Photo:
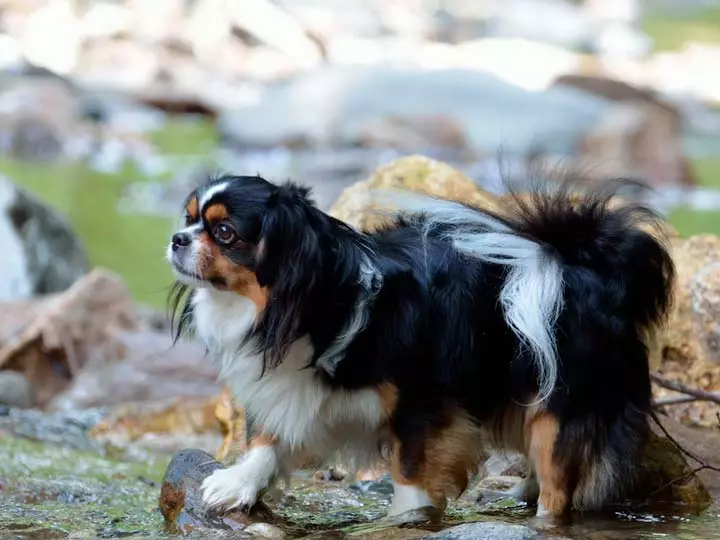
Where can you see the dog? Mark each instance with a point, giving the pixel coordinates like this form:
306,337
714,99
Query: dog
446,333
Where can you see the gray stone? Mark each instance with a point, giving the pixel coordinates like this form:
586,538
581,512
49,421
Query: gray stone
334,105
15,390
41,252
486,531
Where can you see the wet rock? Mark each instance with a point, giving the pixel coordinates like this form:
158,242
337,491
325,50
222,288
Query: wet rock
15,390
382,485
265,530
181,497
666,476
42,253
62,333
151,370
486,531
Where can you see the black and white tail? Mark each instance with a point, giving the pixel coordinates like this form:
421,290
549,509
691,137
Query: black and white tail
546,232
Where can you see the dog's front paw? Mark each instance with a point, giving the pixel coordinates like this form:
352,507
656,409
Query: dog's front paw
241,485
226,489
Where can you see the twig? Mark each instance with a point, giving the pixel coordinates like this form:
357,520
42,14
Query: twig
675,400
687,453
683,477
699,395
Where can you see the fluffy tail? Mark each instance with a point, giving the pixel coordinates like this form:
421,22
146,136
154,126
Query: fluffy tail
545,233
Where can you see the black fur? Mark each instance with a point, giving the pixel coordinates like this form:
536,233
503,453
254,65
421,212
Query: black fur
436,329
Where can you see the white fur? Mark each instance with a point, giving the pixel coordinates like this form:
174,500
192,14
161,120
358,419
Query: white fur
187,260
211,192
330,359
532,293
289,400
407,498
241,484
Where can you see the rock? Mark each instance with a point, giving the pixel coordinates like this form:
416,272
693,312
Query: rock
691,335
264,530
41,251
151,370
356,205
62,333
181,498
15,390
666,476
486,531
165,425
410,133
641,134
333,105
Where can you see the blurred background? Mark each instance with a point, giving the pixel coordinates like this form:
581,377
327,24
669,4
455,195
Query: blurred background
111,110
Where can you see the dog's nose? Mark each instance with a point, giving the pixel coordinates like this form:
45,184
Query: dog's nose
180,240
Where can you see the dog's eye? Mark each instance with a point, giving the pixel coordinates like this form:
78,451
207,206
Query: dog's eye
224,234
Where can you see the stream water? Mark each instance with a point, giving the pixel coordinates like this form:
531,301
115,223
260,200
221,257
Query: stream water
56,482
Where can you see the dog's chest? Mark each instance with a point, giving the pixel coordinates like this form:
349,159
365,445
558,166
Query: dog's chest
290,401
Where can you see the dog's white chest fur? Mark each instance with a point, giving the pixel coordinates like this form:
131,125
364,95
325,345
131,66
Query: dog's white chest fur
289,401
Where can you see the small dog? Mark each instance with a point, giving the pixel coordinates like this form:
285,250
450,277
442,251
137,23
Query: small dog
448,332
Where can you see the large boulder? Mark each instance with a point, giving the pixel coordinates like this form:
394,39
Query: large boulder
41,252
640,134
334,105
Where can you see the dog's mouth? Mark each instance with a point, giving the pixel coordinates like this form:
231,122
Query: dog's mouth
218,282
185,273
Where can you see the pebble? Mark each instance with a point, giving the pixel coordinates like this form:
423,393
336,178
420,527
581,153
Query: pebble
486,531
15,390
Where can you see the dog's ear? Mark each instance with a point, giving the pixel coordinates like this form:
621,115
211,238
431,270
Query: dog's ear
288,245
289,262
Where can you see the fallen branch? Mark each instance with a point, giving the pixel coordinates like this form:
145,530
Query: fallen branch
702,466
695,393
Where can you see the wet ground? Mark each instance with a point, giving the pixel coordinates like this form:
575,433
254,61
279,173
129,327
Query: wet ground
56,482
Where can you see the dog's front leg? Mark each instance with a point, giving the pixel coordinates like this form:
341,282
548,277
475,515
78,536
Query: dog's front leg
242,484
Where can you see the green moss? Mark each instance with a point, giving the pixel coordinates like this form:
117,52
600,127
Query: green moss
669,32
185,136
71,490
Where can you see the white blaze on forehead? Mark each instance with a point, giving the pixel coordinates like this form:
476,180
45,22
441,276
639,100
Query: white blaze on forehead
211,192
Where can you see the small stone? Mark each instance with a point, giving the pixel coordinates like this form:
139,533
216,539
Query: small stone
181,497
382,485
486,531
15,390
264,530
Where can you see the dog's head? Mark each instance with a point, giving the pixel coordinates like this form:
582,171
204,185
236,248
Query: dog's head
245,235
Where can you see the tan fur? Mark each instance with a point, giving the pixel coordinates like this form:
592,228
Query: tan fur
451,455
216,212
388,399
262,439
237,278
542,433
192,209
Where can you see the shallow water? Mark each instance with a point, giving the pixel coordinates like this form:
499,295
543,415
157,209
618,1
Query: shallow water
56,486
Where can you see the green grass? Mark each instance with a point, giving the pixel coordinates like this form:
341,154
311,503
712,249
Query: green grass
670,33
688,221
133,245
130,244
